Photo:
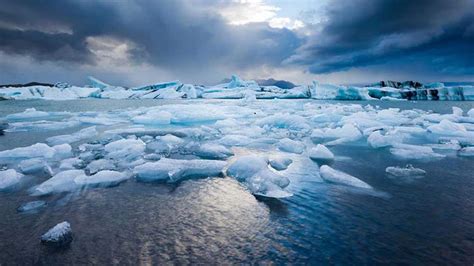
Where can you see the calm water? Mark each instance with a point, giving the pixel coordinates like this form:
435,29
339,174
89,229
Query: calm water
428,220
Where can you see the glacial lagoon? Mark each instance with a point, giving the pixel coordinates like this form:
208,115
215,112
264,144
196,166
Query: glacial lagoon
259,198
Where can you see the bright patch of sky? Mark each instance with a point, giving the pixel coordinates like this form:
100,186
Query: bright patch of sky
277,13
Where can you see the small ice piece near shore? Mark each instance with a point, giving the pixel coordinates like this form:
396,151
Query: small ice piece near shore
334,176
408,170
58,236
466,152
214,151
280,162
9,178
292,146
174,170
103,178
321,153
32,206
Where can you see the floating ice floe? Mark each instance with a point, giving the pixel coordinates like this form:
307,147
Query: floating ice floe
334,176
214,151
60,182
415,152
174,170
35,166
467,152
30,113
321,153
58,236
291,146
408,170
280,162
254,173
9,178
82,134
103,178
38,150
32,206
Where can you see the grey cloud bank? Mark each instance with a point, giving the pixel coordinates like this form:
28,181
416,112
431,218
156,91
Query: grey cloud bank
142,41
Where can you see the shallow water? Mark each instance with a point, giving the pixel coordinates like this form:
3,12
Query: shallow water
427,220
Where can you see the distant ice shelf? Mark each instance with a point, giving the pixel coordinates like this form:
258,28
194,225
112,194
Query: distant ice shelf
238,88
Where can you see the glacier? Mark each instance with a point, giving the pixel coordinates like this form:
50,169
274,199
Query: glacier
237,88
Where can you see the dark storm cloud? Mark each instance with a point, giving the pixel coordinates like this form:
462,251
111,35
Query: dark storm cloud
437,33
169,33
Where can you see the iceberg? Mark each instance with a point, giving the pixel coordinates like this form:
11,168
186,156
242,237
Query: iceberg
99,165
86,133
103,178
58,236
280,162
466,152
35,166
334,176
321,153
408,170
61,182
153,117
38,150
32,206
254,173
9,178
291,146
29,113
125,149
214,151
415,152
174,170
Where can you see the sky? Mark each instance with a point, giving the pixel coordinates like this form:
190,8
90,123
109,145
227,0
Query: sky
137,42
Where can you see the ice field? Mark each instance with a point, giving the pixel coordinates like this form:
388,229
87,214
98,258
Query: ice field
268,160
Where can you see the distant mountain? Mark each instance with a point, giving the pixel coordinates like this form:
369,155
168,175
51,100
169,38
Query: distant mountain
26,85
284,84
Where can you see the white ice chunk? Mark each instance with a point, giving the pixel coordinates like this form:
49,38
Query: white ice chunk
321,153
408,170
288,121
40,150
70,163
235,140
470,113
377,140
61,182
253,172
127,149
29,113
63,151
103,179
86,133
280,162
292,146
99,165
334,176
414,152
34,166
214,151
457,111
466,152
9,178
31,206
153,117
174,170
59,235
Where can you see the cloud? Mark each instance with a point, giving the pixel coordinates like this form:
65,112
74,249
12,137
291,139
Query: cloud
363,33
183,37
